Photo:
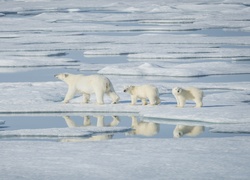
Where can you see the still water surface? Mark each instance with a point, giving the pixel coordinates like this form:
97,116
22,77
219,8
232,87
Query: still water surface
138,127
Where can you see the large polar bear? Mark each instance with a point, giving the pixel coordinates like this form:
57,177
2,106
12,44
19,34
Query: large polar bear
87,85
144,92
191,93
181,130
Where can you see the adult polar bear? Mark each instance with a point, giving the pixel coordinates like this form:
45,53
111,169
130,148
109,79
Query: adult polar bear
88,85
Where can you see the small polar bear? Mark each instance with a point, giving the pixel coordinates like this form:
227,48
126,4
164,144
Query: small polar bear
181,130
191,93
143,92
87,85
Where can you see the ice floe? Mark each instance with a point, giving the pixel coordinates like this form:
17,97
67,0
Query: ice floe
184,70
62,132
141,158
30,26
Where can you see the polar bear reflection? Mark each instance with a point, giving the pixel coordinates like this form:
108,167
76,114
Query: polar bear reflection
87,122
181,130
143,128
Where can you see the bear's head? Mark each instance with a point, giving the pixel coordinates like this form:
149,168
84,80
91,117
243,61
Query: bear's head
128,89
62,76
177,133
177,90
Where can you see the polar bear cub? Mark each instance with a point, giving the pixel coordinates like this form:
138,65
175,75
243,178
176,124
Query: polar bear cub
191,93
143,92
87,85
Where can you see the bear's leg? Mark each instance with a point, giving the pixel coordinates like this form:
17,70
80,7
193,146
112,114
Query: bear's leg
177,101
69,122
181,102
86,121
133,100
115,121
115,98
144,101
100,121
99,97
158,101
152,101
198,103
86,98
70,94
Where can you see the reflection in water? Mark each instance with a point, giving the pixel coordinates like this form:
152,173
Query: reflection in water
1,124
143,128
87,122
181,130
138,127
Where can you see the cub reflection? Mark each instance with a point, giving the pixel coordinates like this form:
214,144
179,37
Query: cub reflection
87,122
181,130
143,128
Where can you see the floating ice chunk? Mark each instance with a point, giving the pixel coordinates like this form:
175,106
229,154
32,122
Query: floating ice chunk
184,70
52,132
62,132
35,62
148,65
74,10
2,122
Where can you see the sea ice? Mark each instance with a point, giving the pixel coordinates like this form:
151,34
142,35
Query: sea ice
130,158
171,69
167,38
62,132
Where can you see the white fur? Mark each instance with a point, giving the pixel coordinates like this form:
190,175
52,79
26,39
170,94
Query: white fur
182,95
144,92
87,122
144,128
87,85
181,130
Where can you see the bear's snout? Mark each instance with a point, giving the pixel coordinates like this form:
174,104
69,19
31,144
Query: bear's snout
124,90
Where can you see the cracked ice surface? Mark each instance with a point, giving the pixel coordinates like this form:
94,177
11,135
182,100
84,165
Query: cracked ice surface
33,30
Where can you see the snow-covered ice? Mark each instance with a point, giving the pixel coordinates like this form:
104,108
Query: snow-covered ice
215,158
182,70
61,132
166,43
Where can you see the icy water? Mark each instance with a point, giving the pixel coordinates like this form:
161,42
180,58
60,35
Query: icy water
139,127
